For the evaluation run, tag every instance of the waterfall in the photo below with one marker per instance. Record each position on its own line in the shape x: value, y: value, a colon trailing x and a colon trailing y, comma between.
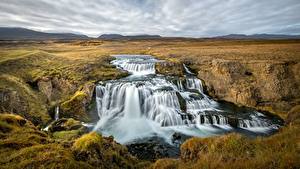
x: 187, y: 69
x: 144, y: 105
x: 132, y: 103
x: 135, y: 64
x: 144, y: 68
x: 194, y: 83
x: 56, y: 116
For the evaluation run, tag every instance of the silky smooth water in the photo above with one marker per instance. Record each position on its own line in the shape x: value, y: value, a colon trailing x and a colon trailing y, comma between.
x: 146, y: 104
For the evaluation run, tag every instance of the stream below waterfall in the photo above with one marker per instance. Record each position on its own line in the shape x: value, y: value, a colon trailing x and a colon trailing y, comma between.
x: 146, y: 107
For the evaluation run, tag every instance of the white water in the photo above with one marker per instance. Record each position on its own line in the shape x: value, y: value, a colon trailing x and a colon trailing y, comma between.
x: 187, y: 69
x: 56, y: 116
x: 145, y: 105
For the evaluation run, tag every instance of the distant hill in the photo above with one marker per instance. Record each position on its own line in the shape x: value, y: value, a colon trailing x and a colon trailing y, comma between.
x: 9, y: 33
x: 259, y: 36
x: 118, y: 36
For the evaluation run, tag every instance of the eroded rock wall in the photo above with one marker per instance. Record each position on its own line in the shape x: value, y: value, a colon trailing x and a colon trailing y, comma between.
x: 270, y: 85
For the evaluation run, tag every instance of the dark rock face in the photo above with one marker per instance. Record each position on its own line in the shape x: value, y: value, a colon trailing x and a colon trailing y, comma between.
x: 53, y: 87
x: 11, y: 101
x: 152, y: 149
x: 169, y: 68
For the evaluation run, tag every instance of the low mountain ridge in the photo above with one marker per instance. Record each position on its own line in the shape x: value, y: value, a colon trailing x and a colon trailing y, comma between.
x: 259, y: 36
x: 10, y: 33
x: 119, y: 36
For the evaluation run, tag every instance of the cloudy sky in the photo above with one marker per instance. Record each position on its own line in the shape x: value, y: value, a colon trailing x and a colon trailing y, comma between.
x: 193, y: 18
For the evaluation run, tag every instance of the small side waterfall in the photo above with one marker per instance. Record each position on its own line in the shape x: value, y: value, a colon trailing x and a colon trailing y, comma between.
x: 144, y: 105
x: 187, y: 70
x: 56, y: 115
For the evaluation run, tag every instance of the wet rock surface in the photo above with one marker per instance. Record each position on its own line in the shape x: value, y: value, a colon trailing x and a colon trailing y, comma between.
x: 152, y: 149
x: 66, y: 124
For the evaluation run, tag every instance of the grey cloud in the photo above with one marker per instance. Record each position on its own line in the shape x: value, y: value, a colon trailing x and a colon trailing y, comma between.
x: 165, y: 17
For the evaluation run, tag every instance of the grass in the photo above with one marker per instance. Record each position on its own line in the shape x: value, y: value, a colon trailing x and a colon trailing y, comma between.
x: 22, y: 145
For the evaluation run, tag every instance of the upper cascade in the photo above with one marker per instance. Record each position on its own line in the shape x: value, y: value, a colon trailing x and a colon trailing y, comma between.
x: 156, y: 105
x: 135, y: 64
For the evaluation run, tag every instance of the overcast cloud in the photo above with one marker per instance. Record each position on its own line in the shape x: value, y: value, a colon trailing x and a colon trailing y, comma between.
x: 194, y: 18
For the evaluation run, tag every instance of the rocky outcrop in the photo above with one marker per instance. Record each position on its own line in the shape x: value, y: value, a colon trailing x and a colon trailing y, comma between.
x: 169, y: 68
x: 54, y: 88
x: 18, y: 98
x: 270, y: 85
x: 101, y: 152
x: 11, y: 101
x: 65, y: 124
x: 77, y: 106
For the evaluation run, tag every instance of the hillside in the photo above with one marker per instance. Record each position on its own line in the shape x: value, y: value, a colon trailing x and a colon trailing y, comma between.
x: 131, y: 37
x: 9, y: 33
x: 259, y: 36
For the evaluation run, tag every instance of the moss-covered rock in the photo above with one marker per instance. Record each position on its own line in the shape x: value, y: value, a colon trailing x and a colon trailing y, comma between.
x: 65, y: 124
x: 67, y: 135
x: 22, y: 145
x: 102, y: 152
x: 17, y: 97
x: 75, y: 107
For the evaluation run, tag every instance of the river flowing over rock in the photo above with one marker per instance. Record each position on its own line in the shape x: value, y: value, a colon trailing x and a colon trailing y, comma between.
x: 146, y: 104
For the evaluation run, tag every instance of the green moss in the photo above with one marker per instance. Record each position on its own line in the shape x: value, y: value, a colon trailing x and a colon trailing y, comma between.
x: 67, y: 135
x: 75, y: 107
x: 103, y: 152
x: 24, y: 146
x: 42, y: 156
x: 22, y: 100
x: 88, y: 141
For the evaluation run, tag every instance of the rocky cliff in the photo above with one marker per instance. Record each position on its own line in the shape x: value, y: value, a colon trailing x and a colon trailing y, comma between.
x: 273, y: 86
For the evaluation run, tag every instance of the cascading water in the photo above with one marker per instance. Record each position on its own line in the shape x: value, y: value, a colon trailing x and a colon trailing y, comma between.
x: 146, y: 104
x: 56, y: 115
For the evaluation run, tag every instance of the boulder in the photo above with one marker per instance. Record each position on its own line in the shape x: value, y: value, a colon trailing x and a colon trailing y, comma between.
x: 77, y: 106
x: 66, y: 124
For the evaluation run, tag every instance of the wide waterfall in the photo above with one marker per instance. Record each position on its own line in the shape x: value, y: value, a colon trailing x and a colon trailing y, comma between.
x: 146, y: 104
